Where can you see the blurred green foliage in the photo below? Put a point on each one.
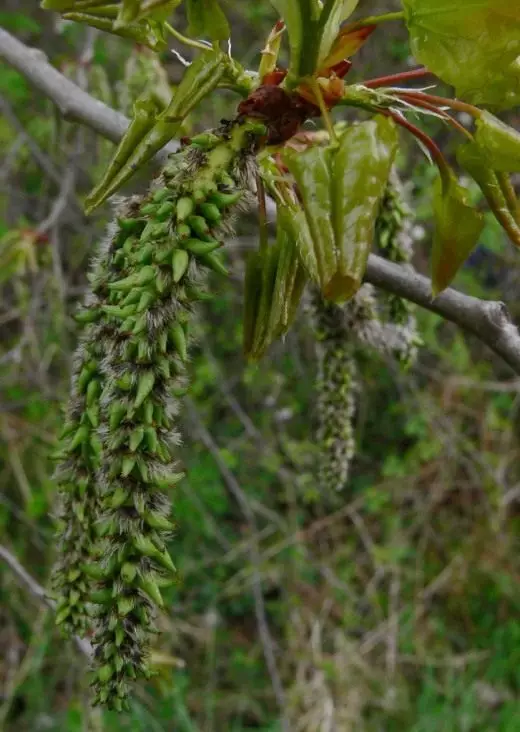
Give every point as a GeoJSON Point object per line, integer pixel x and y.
{"type": "Point", "coordinates": [394, 607]}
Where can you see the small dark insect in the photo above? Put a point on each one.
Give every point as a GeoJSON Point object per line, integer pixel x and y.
{"type": "Point", "coordinates": [281, 112]}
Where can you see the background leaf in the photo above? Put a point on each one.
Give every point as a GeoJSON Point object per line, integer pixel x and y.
{"type": "Point", "coordinates": [475, 46]}
{"type": "Point", "coordinates": [206, 19]}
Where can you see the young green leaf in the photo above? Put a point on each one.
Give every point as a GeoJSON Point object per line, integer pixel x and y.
{"type": "Point", "coordinates": [500, 143]}
{"type": "Point", "coordinates": [474, 46]}
{"type": "Point", "coordinates": [301, 18]}
{"type": "Point", "coordinates": [200, 78]}
{"type": "Point", "coordinates": [143, 120]}
{"type": "Point", "coordinates": [340, 187]}
{"type": "Point", "coordinates": [206, 19]}
{"type": "Point", "coordinates": [145, 34]}
{"type": "Point", "coordinates": [362, 165]}
{"type": "Point", "coordinates": [313, 175]}
{"type": "Point", "coordinates": [457, 229]}
{"type": "Point", "coordinates": [332, 16]}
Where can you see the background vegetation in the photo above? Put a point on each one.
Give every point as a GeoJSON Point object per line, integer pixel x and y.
{"type": "Point", "coordinates": [392, 606]}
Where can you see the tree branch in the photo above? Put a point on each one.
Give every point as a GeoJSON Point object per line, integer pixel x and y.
{"type": "Point", "coordinates": [73, 103]}
{"type": "Point", "coordinates": [488, 320]}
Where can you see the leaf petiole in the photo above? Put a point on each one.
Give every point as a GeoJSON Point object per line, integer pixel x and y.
{"type": "Point", "coordinates": [323, 109]}
{"type": "Point", "coordinates": [378, 19]}
{"type": "Point", "coordinates": [185, 40]}
{"type": "Point", "coordinates": [437, 156]}
{"type": "Point", "coordinates": [432, 108]}
{"type": "Point", "coordinates": [455, 104]}
{"type": "Point", "coordinates": [509, 195]}
{"type": "Point", "coordinates": [398, 78]}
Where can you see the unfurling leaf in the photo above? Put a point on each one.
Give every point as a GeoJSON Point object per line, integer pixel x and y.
{"type": "Point", "coordinates": [347, 43]}
{"type": "Point", "coordinates": [128, 11]}
{"type": "Point", "coordinates": [340, 187]}
{"type": "Point", "coordinates": [206, 19]}
{"type": "Point", "coordinates": [500, 143]}
{"type": "Point", "coordinates": [275, 279]}
{"type": "Point", "coordinates": [157, 9]}
{"type": "Point", "coordinates": [330, 23]}
{"type": "Point", "coordinates": [301, 19]}
{"type": "Point", "coordinates": [457, 228]}
{"type": "Point", "coordinates": [125, 17]}
{"type": "Point", "coordinates": [474, 45]}
{"type": "Point", "coordinates": [143, 120]}
{"type": "Point", "coordinates": [144, 138]}
{"type": "Point", "coordinates": [144, 33]}
{"type": "Point", "coordinates": [57, 5]}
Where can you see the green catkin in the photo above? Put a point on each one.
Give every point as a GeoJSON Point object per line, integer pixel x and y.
{"type": "Point", "coordinates": [80, 450]}
{"type": "Point", "coordinates": [336, 394]}
{"type": "Point", "coordinates": [144, 297]}
{"type": "Point", "coordinates": [394, 242]}
{"type": "Point", "coordinates": [381, 322]}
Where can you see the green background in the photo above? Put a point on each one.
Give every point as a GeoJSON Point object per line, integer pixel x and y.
{"type": "Point", "coordinates": [392, 606]}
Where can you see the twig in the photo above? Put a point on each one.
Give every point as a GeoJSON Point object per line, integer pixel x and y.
{"type": "Point", "coordinates": [489, 321]}
{"type": "Point", "coordinates": [260, 611]}
{"type": "Point", "coordinates": [38, 592]}
{"type": "Point", "coordinates": [60, 203]}
{"type": "Point", "coordinates": [45, 163]}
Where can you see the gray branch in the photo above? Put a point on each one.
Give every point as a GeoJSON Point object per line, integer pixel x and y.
{"type": "Point", "coordinates": [488, 320]}
{"type": "Point", "coordinates": [73, 103]}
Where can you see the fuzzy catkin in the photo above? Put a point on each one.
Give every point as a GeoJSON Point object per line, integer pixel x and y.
{"type": "Point", "coordinates": [394, 242]}
{"type": "Point", "coordinates": [80, 454]}
{"type": "Point", "coordinates": [336, 394]}
{"type": "Point", "coordinates": [370, 319]}
{"type": "Point", "coordinates": [144, 286]}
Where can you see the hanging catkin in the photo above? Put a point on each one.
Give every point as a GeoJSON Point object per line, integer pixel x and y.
{"type": "Point", "coordinates": [118, 449]}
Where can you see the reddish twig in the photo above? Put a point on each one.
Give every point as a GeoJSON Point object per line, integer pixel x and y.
{"type": "Point", "coordinates": [394, 79]}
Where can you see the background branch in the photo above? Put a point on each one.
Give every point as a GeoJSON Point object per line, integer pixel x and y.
{"type": "Point", "coordinates": [488, 320]}
{"type": "Point", "coordinates": [73, 103]}
{"type": "Point", "coordinates": [39, 592]}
